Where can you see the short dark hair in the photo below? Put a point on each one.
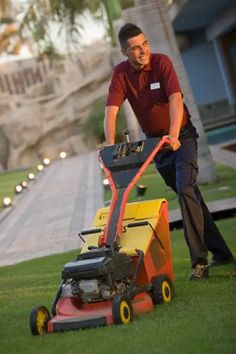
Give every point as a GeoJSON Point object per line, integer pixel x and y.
{"type": "Point", "coordinates": [128, 31]}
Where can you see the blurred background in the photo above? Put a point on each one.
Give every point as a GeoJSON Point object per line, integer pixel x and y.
{"type": "Point", "coordinates": [56, 60]}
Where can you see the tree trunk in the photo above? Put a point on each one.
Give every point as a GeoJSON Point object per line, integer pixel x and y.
{"type": "Point", "coordinates": [152, 17]}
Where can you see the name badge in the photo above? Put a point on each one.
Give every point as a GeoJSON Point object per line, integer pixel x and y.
{"type": "Point", "coordinates": [155, 86]}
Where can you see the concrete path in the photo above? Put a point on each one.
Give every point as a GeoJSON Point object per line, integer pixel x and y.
{"type": "Point", "coordinates": [46, 219]}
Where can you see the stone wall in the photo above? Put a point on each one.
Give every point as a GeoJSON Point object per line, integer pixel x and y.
{"type": "Point", "coordinates": [43, 104]}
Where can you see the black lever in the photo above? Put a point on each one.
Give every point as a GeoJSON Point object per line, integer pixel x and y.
{"type": "Point", "coordinates": [137, 224]}
{"type": "Point", "coordinates": [127, 136]}
{"type": "Point", "coordinates": [91, 231]}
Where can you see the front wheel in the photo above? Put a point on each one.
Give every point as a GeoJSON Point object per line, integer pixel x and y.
{"type": "Point", "coordinates": [162, 290]}
{"type": "Point", "coordinates": [122, 310]}
{"type": "Point", "coordinates": [38, 320]}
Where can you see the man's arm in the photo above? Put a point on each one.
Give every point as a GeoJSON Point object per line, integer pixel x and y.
{"type": "Point", "coordinates": [176, 116]}
{"type": "Point", "coordinates": [110, 124]}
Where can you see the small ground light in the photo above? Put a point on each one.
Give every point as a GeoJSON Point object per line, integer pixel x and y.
{"type": "Point", "coordinates": [6, 202]}
{"type": "Point", "coordinates": [31, 176]}
{"type": "Point", "coordinates": [24, 184]}
{"type": "Point", "coordinates": [40, 167]}
{"type": "Point", "coordinates": [63, 154]}
{"type": "Point", "coordinates": [46, 161]}
{"type": "Point", "coordinates": [106, 184]}
{"type": "Point", "coordinates": [18, 188]}
{"type": "Point", "coordinates": [141, 190]}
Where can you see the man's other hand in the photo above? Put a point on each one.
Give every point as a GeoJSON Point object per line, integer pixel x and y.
{"type": "Point", "coordinates": [174, 142]}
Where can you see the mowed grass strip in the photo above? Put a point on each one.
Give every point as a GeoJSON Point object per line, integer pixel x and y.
{"type": "Point", "coordinates": [200, 319]}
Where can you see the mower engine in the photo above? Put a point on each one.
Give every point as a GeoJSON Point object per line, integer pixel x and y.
{"type": "Point", "coordinates": [94, 290]}
{"type": "Point", "coordinates": [97, 275]}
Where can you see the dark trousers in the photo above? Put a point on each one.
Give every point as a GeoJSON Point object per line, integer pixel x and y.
{"type": "Point", "coordinates": [179, 169]}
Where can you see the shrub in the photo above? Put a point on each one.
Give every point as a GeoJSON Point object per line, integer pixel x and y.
{"type": "Point", "coordinates": [92, 128]}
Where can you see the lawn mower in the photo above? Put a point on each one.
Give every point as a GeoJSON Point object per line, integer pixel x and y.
{"type": "Point", "coordinates": [124, 268]}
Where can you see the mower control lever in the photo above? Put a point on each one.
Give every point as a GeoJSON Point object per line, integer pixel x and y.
{"type": "Point", "coordinates": [139, 223]}
{"type": "Point", "coordinates": [91, 231]}
{"type": "Point", "coordinates": [127, 136]}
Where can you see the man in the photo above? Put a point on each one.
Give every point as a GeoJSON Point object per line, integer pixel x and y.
{"type": "Point", "coordinates": [150, 84]}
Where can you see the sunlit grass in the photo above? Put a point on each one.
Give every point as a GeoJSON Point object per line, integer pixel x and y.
{"type": "Point", "coordinates": [200, 319]}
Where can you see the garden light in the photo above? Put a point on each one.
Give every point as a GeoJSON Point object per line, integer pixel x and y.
{"type": "Point", "coordinates": [141, 190]}
{"type": "Point", "coordinates": [31, 176]}
{"type": "Point", "coordinates": [106, 184]}
{"type": "Point", "coordinates": [40, 167]}
{"type": "Point", "coordinates": [6, 202]}
{"type": "Point", "coordinates": [63, 154]}
{"type": "Point", "coordinates": [46, 161]}
{"type": "Point", "coordinates": [24, 184]}
{"type": "Point", "coordinates": [18, 188]}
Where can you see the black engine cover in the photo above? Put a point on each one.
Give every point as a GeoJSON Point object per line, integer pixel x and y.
{"type": "Point", "coordinates": [97, 263]}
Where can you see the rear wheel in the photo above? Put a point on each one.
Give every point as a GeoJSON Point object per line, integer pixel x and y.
{"type": "Point", "coordinates": [38, 320]}
{"type": "Point", "coordinates": [162, 290]}
{"type": "Point", "coordinates": [122, 310]}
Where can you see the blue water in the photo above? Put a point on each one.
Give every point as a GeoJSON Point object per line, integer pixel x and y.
{"type": "Point", "coordinates": [221, 135]}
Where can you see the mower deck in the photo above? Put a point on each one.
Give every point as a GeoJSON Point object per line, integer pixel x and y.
{"type": "Point", "coordinates": [73, 316]}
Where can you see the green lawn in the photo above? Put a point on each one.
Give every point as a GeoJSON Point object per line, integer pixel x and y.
{"type": "Point", "coordinates": [225, 187]}
{"type": "Point", "coordinates": [200, 319]}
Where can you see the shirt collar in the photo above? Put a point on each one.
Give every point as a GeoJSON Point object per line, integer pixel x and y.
{"type": "Point", "coordinates": [147, 67]}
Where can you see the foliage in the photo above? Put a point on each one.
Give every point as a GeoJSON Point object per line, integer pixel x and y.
{"type": "Point", "coordinates": [66, 15]}
{"type": "Point", "coordinates": [126, 3]}
{"type": "Point", "coordinates": [41, 15]}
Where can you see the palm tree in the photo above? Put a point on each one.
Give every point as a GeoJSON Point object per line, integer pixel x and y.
{"type": "Point", "coordinates": [40, 15]}
{"type": "Point", "coordinates": [10, 39]}
{"type": "Point", "coordinates": [4, 9]}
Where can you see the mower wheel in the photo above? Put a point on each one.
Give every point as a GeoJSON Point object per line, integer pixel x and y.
{"type": "Point", "coordinates": [162, 289]}
{"type": "Point", "coordinates": [122, 310]}
{"type": "Point", "coordinates": [38, 320]}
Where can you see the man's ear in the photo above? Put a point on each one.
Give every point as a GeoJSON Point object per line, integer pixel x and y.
{"type": "Point", "coordinates": [123, 51]}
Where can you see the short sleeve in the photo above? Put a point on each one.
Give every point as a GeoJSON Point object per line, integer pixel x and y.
{"type": "Point", "coordinates": [170, 79]}
{"type": "Point", "coordinates": [116, 95]}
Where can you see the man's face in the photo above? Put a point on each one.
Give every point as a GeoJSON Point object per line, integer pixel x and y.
{"type": "Point", "coordinates": [137, 51]}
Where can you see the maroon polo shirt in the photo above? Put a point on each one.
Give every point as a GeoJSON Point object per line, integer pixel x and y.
{"type": "Point", "coordinates": [147, 91]}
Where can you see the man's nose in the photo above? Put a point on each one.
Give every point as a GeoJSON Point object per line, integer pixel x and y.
{"type": "Point", "coordinates": [142, 51]}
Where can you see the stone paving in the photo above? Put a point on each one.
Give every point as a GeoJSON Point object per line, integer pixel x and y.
{"type": "Point", "coordinates": [46, 219]}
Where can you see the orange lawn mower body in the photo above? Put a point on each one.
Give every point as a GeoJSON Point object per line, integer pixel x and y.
{"type": "Point", "coordinates": [125, 267]}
